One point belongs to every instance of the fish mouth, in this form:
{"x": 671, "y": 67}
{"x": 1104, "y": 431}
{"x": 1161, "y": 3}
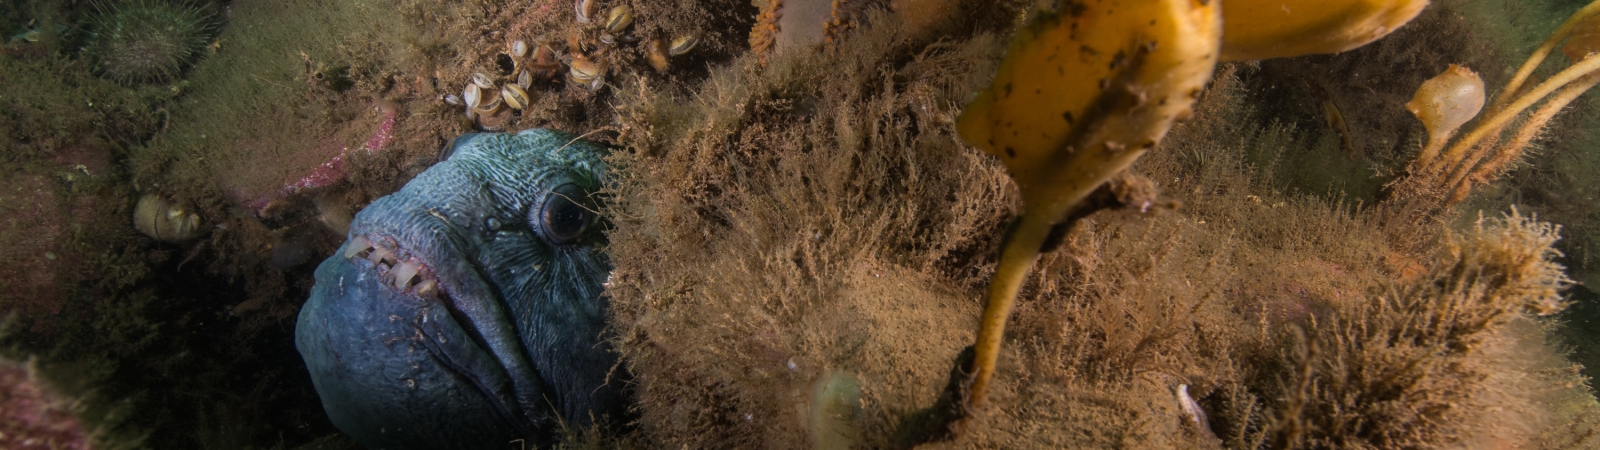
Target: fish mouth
{"x": 396, "y": 266}
{"x": 409, "y": 275}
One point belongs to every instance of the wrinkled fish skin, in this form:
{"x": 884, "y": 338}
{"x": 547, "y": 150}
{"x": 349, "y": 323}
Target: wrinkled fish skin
{"x": 465, "y": 310}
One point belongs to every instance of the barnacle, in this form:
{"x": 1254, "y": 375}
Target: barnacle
{"x": 515, "y": 96}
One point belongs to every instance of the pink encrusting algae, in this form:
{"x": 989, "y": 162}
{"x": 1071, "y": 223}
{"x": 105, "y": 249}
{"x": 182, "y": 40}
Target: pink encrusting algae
{"x": 335, "y": 169}
{"x": 33, "y": 417}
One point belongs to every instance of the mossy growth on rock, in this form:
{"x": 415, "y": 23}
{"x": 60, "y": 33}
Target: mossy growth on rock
{"x": 817, "y": 215}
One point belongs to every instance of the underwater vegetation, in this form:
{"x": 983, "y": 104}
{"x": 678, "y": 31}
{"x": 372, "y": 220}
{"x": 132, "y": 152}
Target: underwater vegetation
{"x": 1115, "y": 107}
{"x": 801, "y": 233}
{"x": 1251, "y": 301}
{"x": 1479, "y": 156}
{"x": 148, "y": 41}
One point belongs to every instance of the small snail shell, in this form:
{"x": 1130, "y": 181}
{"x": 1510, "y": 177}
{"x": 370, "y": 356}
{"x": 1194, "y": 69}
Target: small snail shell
{"x": 519, "y": 48}
{"x": 619, "y": 18}
{"x": 160, "y": 219}
{"x": 1446, "y": 101}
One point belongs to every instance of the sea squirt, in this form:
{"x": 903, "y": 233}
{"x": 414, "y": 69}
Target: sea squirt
{"x": 465, "y": 310}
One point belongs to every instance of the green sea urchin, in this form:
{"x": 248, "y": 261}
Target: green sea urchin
{"x": 146, "y": 41}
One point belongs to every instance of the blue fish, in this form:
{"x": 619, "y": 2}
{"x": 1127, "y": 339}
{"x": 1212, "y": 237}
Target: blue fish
{"x": 467, "y": 309}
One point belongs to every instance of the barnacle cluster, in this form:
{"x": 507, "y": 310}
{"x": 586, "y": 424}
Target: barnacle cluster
{"x": 526, "y": 70}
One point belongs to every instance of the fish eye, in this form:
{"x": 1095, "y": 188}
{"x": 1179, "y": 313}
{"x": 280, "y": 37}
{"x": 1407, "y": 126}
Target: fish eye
{"x": 563, "y": 217}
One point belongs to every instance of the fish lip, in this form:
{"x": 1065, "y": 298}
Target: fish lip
{"x": 383, "y": 256}
{"x": 381, "y": 252}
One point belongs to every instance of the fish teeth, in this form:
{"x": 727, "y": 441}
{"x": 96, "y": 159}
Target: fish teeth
{"x": 357, "y": 245}
{"x": 381, "y": 255}
{"x": 403, "y": 273}
{"x": 427, "y": 288}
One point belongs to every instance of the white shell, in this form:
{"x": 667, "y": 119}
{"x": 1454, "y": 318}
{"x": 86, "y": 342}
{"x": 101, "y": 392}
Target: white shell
{"x": 156, "y": 217}
{"x": 483, "y": 80}
{"x": 524, "y": 79}
{"x": 514, "y": 96}
{"x": 519, "y": 48}
{"x": 452, "y": 99}
{"x": 472, "y": 95}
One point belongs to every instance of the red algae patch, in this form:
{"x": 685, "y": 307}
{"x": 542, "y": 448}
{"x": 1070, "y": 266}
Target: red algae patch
{"x": 33, "y": 416}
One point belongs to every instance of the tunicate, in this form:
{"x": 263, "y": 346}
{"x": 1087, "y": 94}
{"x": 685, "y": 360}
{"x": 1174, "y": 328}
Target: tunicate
{"x": 1446, "y": 101}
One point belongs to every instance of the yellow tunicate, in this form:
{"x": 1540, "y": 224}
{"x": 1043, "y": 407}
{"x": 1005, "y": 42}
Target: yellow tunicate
{"x": 1444, "y": 103}
{"x": 1260, "y": 29}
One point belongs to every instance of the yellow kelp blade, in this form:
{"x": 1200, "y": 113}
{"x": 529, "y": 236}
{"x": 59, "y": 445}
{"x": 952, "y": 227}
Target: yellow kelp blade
{"x": 1260, "y": 29}
{"x": 1102, "y": 81}
{"x": 1082, "y": 93}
